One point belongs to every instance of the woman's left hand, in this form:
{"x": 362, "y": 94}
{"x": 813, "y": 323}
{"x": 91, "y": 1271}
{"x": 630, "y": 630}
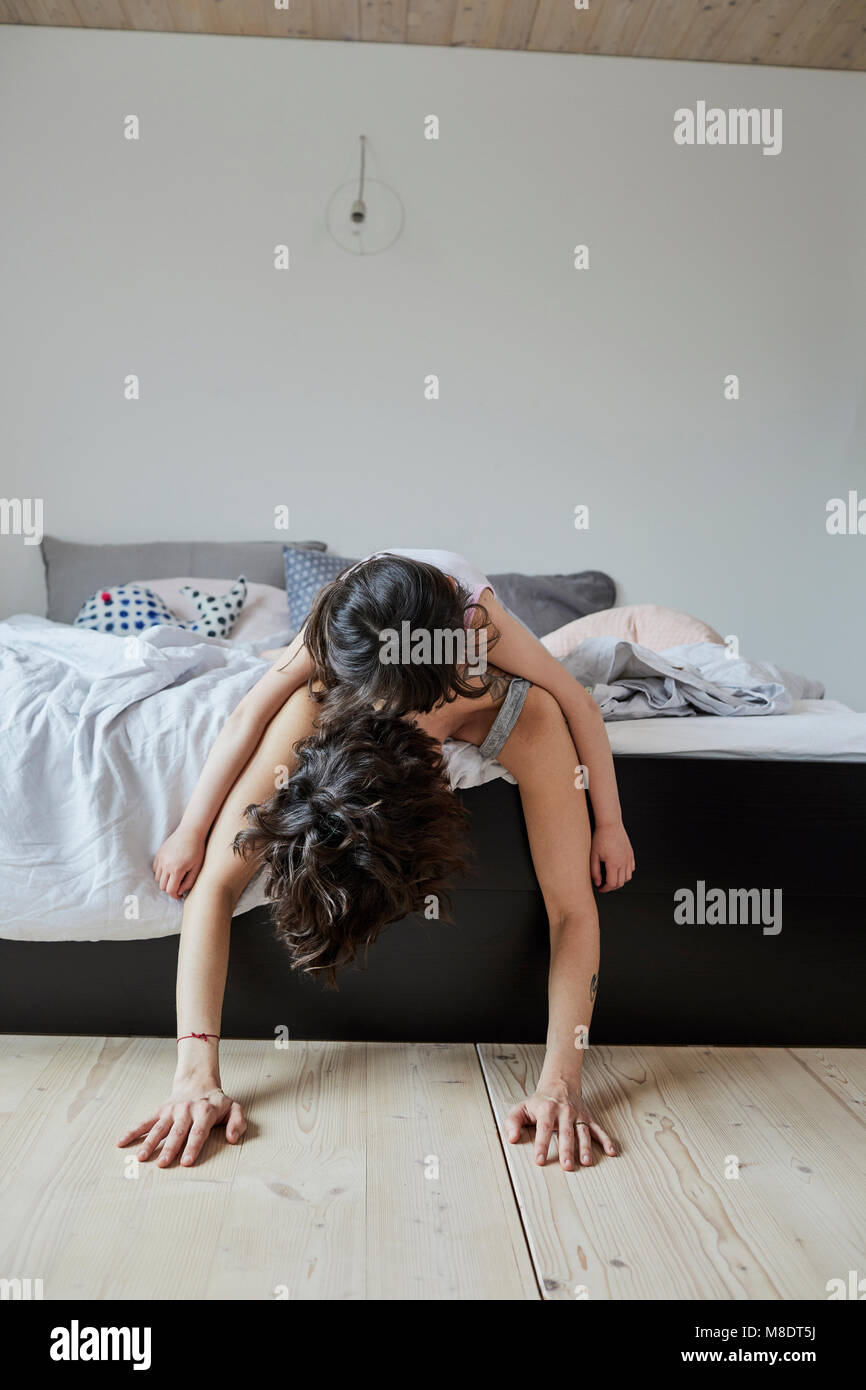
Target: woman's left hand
{"x": 569, "y": 1118}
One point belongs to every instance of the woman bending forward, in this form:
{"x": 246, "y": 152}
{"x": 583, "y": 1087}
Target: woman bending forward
{"x": 364, "y": 830}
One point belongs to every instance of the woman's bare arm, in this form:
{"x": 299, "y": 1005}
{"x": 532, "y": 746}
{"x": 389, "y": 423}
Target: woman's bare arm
{"x": 197, "y": 1101}
{"x": 179, "y": 858}
{"x": 540, "y": 754}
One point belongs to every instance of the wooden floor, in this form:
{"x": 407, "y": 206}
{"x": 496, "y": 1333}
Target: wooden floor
{"x": 377, "y": 1171}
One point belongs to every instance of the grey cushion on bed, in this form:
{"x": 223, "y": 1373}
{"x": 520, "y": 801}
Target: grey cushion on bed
{"x": 545, "y": 601}
{"x": 306, "y": 576}
{"x": 74, "y": 571}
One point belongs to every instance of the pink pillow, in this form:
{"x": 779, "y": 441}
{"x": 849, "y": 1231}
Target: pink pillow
{"x": 265, "y": 613}
{"x": 648, "y": 624}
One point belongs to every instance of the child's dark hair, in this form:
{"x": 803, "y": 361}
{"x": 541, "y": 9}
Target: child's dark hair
{"x": 345, "y": 638}
{"x": 363, "y": 832}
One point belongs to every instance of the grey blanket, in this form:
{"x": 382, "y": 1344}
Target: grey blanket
{"x": 632, "y": 682}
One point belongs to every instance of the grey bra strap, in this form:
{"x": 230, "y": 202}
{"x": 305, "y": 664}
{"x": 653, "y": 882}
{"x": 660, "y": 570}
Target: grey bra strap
{"x": 509, "y": 713}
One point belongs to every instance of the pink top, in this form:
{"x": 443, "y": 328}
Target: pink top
{"x": 473, "y": 602}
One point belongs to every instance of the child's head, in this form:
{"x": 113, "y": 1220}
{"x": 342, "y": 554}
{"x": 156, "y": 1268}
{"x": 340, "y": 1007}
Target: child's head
{"x": 366, "y": 636}
{"x": 363, "y": 833}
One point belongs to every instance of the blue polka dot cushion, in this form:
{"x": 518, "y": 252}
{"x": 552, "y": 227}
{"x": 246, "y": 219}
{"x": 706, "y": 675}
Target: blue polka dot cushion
{"x": 307, "y": 572}
{"x": 130, "y": 608}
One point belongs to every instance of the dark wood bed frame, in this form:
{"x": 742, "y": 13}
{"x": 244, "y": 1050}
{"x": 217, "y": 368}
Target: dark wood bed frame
{"x": 799, "y": 827}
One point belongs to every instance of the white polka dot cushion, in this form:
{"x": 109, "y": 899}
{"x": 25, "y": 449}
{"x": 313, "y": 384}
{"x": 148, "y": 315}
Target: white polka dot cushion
{"x": 129, "y": 608}
{"x": 217, "y": 614}
{"x": 265, "y": 615}
{"x": 307, "y": 573}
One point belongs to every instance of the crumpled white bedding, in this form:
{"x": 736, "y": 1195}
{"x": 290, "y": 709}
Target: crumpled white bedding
{"x": 629, "y": 681}
{"x": 102, "y": 740}
{"x": 101, "y": 743}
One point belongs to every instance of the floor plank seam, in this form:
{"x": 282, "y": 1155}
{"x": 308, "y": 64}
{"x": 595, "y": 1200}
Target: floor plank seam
{"x": 511, "y": 1184}
{"x": 840, "y": 1100}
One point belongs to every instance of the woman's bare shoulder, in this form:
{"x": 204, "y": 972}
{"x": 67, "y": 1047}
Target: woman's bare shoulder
{"x": 474, "y": 718}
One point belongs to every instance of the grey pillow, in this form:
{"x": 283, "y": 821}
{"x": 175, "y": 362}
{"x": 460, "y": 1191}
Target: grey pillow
{"x": 74, "y": 571}
{"x": 545, "y": 601}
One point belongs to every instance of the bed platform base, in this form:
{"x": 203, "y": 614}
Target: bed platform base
{"x": 794, "y": 830}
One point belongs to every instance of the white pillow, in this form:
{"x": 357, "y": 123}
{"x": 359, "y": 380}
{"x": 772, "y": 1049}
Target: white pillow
{"x": 264, "y": 615}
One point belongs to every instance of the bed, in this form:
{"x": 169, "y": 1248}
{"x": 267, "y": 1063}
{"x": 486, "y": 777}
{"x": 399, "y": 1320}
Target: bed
{"x": 776, "y": 803}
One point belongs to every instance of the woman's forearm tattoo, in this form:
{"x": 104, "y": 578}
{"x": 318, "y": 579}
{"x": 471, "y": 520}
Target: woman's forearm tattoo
{"x": 593, "y": 986}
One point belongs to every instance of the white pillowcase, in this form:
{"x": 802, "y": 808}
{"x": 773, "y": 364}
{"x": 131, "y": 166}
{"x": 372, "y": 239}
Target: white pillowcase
{"x": 264, "y": 615}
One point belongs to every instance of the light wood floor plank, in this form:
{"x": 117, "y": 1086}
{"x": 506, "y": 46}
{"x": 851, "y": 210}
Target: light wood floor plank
{"x": 799, "y": 1198}
{"x": 375, "y": 1171}
{"x": 613, "y": 1231}
{"x": 842, "y": 1070}
{"x": 91, "y": 1221}
{"x": 295, "y": 1225}
{"x": 22, "y": 1060}
{"x": 325, "y": 1199}
{"x": 443, "y": 1220}
{"x": 663, "y": 1220}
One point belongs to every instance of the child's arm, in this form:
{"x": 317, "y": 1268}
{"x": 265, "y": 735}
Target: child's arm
{"x": 179, "y": 859}
{"x": 520, "y": 653}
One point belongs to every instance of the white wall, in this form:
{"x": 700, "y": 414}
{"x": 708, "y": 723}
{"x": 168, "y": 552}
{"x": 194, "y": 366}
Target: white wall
{"x": 557, "y": 386}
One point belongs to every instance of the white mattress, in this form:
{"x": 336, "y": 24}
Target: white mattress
{"x": 812, "y": 731}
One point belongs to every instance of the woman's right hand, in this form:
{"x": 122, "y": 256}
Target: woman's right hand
{"x": 177, "y": 861}
{"x": 184, "y": 1122}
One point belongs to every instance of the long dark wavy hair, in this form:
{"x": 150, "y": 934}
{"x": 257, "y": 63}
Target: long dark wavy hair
{"x": 344, "y": 631}
{"x": 363, "y": 832}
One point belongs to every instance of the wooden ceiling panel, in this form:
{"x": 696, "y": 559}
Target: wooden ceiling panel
{"x": 430, "y": 22}
{"x": 615, "y": 27}
{"x": 515, "y": 26}
{"x": 817, "y": 32}
{"x": 789, "y": 33}
{"x": 477, "y": 22}
{"x": 298, "y": 23}
{"x": 716, "y": 29}
{"x": 560, "y": 28}
{"x": 383, "y": 21}
{"x": 333, "y": 19}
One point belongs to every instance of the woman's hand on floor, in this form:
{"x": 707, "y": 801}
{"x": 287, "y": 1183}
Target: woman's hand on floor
{"x": 569, "y": 1118}
{"x": 177, "y": 861}
{"x": 184, "y": 1122}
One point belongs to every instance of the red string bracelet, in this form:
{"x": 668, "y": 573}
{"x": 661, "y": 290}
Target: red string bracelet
{"x": 203, "y": 1036}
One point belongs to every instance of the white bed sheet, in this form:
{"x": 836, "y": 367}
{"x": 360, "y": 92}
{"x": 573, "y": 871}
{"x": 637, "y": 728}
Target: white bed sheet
{"x": 811, "y": 731}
